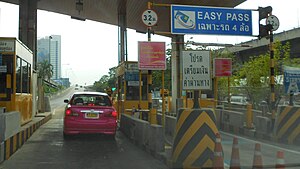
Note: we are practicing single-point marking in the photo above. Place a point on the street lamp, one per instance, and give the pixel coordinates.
(50, 37)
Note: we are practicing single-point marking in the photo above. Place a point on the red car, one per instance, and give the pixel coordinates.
(90, 112)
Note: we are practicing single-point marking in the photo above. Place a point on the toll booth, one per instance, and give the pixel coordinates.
(16, 78)
(204, 101)
(128, 88)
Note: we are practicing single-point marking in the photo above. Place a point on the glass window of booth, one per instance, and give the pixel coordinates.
(6, 68)
(25, 80)
(23, 76)
(133, 89)
(18, 75)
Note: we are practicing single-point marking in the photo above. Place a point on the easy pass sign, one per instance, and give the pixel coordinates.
(149, 17)
(208, 20)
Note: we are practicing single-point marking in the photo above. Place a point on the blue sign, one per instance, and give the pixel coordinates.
(132, 76)
(208, 20)
(291, 79)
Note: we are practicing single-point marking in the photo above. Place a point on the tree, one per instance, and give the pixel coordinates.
(112, 77)
(254, 75)
(106, 81)
(157, 75)
(45, 70)
(102, 84)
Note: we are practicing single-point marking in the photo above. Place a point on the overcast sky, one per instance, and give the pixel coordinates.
(89, 48)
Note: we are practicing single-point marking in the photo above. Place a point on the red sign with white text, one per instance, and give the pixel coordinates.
(152, 55)
(222, 67)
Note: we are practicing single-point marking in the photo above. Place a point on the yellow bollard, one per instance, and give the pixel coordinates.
(249, 116)
(153, 119)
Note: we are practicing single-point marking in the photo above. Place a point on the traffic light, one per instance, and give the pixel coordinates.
(264, 30)
(263, 14)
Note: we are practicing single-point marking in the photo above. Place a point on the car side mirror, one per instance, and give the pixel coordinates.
(66, 101)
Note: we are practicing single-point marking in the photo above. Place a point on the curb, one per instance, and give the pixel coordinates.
(245, 132)
(12, 144)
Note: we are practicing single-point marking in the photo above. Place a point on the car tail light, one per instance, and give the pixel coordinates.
(68, 112)
(111, 114)
(114, 114)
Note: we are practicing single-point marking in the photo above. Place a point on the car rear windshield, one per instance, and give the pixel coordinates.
(89, 99)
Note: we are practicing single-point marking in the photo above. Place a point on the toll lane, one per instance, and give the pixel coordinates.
(268, 151)
(47, 148)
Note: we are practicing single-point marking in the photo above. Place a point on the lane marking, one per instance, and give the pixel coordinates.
(265, 144)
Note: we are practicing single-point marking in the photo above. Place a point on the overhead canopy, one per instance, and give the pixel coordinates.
(106, 11)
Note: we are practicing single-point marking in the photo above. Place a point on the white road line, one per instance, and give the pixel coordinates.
(288, 150)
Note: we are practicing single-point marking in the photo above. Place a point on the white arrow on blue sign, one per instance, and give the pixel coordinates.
(208, 20)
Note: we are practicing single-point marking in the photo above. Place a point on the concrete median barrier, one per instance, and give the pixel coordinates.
(145, 135)
(16, 136)
(194, 142)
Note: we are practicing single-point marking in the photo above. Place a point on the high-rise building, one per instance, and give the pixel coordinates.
(49, 48)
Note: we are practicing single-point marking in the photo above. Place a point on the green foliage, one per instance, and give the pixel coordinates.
(45, 70)
(52, 90)
(106, 81)
(157, 75)
(254, 74)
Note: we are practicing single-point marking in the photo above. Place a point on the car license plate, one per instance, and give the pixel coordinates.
(92, 115)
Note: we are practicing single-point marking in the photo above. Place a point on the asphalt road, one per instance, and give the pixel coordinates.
(268, 152)
(46, 149)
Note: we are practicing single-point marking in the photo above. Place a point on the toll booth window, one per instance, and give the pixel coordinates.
(25, 80)
(6, 69)
(18, 75)
(133, 89)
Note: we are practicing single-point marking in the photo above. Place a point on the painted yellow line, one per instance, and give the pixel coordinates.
(192, 130)
(182, 119)
(7, 149)
(198, 150)
(20, 139)
(14, 143)
(288, 124)
(294, 134)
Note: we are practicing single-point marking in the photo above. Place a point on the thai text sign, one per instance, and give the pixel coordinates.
(196, 70)
(222, 67)
(7, 46)
(208, 20)
(152, 56)
(291, 79)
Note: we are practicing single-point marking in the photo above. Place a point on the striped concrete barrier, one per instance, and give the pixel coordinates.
(195, 139)
(12, 144)
(287, 125)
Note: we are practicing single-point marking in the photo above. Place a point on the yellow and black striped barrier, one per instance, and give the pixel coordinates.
(12, 144)
(195, 139)
(288, 128)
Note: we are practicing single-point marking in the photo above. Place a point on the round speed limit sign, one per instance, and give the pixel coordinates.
(149, 17)
(274, 21)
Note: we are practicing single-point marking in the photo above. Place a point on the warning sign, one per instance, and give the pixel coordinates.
(196, 70)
